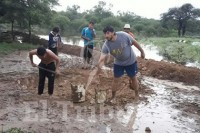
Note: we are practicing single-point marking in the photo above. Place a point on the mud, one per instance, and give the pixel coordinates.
(169, 98)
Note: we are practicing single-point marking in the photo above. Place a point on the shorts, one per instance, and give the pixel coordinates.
(131, 70)
(88, 51)
(54, 50)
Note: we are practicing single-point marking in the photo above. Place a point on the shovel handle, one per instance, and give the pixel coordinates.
(46, 69)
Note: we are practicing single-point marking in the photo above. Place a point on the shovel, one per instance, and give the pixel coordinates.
(48, 70)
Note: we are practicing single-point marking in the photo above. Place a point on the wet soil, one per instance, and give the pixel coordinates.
(165, 88)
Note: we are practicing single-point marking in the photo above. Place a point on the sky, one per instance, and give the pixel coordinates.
(144, 8)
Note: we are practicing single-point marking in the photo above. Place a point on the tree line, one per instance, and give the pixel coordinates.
(39, 17)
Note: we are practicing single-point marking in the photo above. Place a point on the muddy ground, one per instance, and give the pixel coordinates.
(21, 106)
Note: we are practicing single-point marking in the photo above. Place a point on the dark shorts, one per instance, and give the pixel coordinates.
(54, 50)
(131, 70)
(88, 51)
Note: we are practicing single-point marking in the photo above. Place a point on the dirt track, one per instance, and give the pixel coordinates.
(18, 86)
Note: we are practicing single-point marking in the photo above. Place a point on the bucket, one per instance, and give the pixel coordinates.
(78, 93)
(100, 95)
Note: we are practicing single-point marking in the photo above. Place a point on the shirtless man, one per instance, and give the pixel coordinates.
(47, 68)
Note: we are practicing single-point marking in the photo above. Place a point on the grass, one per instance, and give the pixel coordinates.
(7, 48)
(176, 49)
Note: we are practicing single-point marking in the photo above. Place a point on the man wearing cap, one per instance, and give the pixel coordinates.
(88, 34)
(118, 44)
(127, 30)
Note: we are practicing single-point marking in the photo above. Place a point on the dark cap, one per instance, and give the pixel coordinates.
(41, 51)
(108, 29)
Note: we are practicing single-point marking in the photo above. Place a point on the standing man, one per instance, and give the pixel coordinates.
(118, 44)
(127, 30)
(54, 40)
(88, 34)
(47, 68)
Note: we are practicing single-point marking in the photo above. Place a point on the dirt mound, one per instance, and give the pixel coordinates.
(158, 69)
(169, 71)
(75, 76)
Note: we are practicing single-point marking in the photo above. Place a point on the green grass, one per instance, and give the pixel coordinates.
(175, 50)
(7, 48)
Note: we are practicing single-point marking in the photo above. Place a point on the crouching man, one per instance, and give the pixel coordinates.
(47, 68)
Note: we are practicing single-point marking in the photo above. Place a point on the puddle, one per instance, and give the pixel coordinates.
(159, 113)
(172, 108)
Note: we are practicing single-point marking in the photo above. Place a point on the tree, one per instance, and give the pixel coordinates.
(36, 10)
(2, 8)
(12, 11)
(101, 12)
(72, 12)
(60, 21)
(180, 16)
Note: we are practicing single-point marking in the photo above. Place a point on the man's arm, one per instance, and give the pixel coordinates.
(93, 33)
(100, 62)
(56, 58)
(136, 44)
(31, 53)
(83, 35)
(85, 38)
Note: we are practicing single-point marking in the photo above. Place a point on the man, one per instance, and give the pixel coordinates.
(127, 30)
(88, 34)
(47, 68)
(54, 40)
(118, 44)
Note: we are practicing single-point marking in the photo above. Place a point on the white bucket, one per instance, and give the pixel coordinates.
(100, 95)
(78, 93)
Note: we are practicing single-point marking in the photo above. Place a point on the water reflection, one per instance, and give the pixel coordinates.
(67, 40)
(151, 52)
(158, 113)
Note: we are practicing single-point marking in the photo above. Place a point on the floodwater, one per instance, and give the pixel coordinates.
(159, 113)
(151, 51)
(169, 109)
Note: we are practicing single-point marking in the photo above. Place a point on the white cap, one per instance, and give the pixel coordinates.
(127, 26)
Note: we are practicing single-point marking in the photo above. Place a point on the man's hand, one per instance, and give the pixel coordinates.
(58, 72)
(142, 55)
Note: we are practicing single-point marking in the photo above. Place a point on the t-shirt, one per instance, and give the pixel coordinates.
(53, 40)
(88, 33)
(120, 49)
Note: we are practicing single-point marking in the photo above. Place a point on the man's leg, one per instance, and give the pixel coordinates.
(118, 72)
(42, 75)
(115, 87)
(84, 56)
(54, 50)
(90, 53)
(134, 84)
(131, 71)
(51, 78)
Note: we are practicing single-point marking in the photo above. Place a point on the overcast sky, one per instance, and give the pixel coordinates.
(143, 8)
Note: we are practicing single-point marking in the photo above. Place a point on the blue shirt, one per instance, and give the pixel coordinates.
(88, 33)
